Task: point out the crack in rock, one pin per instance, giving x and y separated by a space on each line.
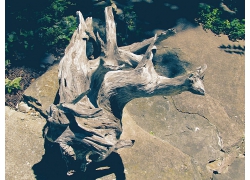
220 141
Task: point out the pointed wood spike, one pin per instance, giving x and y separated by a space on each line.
148 56
112 48
81 22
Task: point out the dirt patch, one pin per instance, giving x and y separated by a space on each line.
28 75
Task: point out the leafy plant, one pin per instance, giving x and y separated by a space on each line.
7 64
130 17
211 18
237 29
37 27
55 29
11 85
152 133
58 35
127 28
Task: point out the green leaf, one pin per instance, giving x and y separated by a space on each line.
7 62
11 37
211 18
7 81
11 85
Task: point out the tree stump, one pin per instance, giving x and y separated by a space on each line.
93 92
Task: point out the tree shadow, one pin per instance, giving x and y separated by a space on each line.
233 49
169 65
52 166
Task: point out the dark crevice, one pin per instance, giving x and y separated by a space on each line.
222 151
211 161
57 98
215 172
65 83
189 112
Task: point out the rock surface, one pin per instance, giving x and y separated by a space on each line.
180 137
23 107
23 144
210 128
42 92
48 59
153 158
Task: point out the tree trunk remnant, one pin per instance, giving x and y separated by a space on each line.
87 121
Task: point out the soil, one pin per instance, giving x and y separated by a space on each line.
28 74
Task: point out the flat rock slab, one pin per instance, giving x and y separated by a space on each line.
236 171
191 133
223 104
42 92
23 144
225 75
151 157
208 128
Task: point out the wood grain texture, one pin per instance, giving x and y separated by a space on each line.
87 121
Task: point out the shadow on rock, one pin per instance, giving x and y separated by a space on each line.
52 167
169 65
233 49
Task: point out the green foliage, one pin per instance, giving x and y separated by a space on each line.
130 17
152 133
18 43
237 29
211 18
54 28
11 85
37 26
127 28
57 35
7 64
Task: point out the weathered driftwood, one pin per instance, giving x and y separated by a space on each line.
87 121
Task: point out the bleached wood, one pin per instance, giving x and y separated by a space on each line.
87 121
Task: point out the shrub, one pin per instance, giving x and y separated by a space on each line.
57 36
54 27
37 26
237 29
211 18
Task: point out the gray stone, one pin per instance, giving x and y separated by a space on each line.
235 171
190 133
151 157
223 104
23 144
207 128
48 59
23 107
42 92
